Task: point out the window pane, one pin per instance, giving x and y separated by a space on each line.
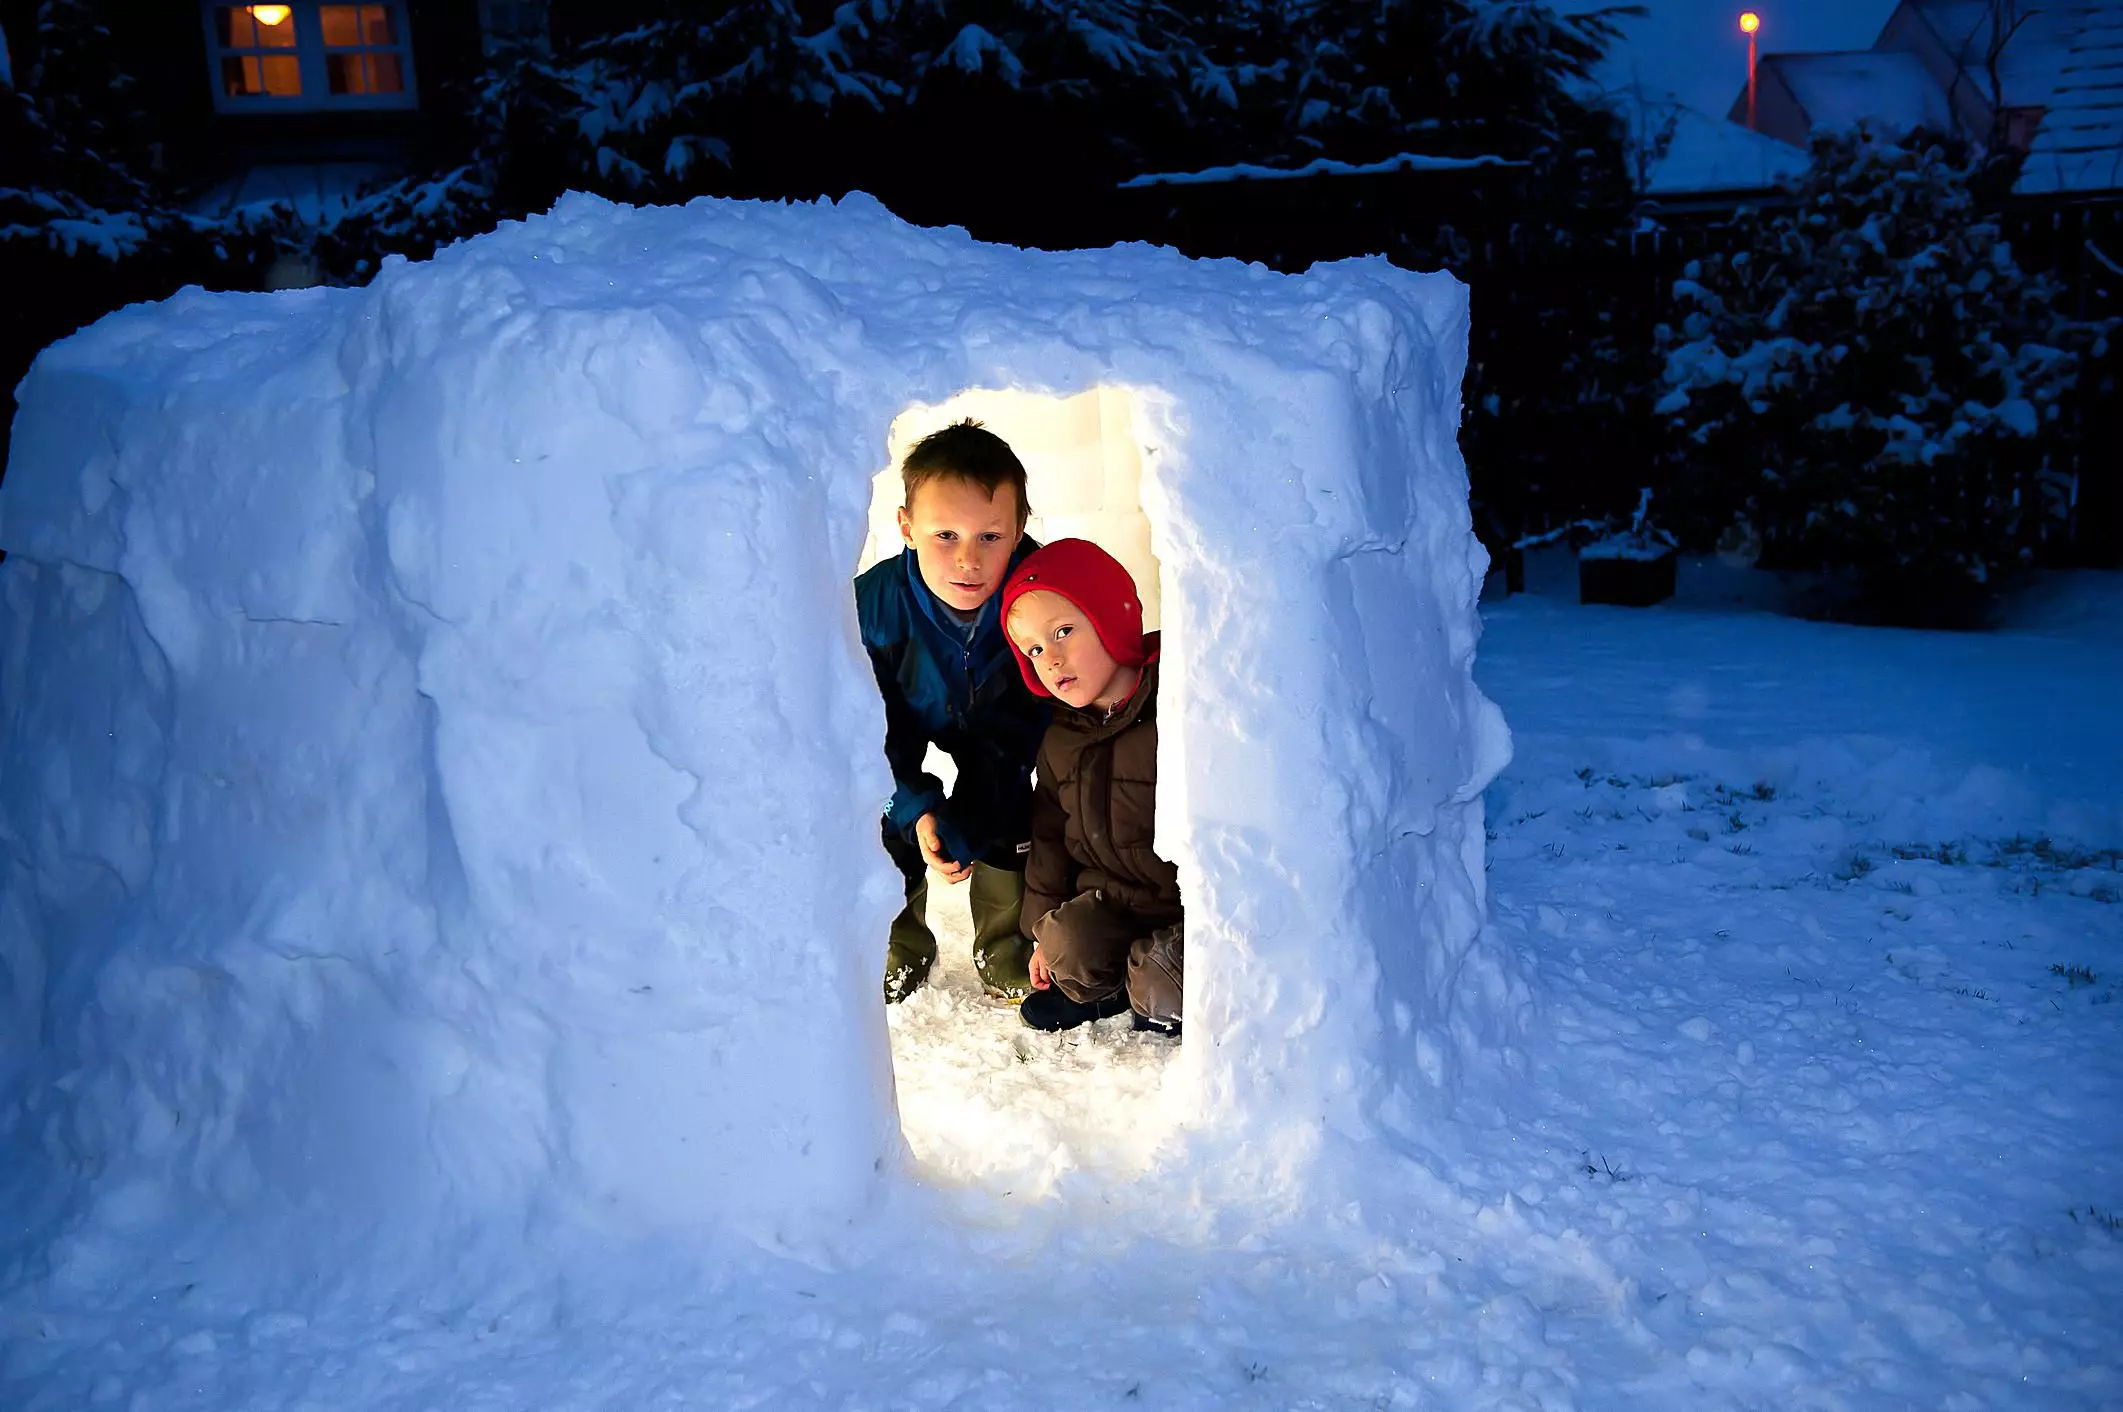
283 76
239 27
342 73
376 27
275 36
385 73
342 24
255 76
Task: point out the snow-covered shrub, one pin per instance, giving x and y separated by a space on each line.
1871 384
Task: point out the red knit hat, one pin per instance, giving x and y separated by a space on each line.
1096 583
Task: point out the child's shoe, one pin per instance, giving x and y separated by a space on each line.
1051 1010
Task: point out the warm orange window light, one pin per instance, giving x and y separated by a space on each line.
270 14
1749 22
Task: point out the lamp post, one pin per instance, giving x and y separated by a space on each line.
1750 25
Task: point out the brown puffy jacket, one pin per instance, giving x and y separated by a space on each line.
1094 809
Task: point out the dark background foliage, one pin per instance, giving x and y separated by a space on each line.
1025 121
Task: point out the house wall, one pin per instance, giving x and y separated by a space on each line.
1908 32
162 47
1778 112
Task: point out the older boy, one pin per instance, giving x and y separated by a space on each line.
1102 905
933 627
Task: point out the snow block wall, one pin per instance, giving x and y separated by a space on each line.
440 774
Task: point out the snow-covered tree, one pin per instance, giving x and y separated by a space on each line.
1871 383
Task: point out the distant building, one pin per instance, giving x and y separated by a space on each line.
300 102
2043 81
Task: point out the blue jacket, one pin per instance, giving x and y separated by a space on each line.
964 696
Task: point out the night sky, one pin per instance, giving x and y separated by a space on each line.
1694 48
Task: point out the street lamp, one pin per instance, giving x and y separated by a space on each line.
1750 25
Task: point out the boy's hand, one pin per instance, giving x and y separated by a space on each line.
932 851
1041 976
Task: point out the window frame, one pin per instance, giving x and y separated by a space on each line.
310 55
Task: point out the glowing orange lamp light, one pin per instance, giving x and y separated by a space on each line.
270 15
1750 25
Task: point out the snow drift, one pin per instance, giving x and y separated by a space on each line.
440 775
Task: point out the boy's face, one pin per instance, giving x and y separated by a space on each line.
963 538
1063 647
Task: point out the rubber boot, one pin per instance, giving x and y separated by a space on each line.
912 948
1002 955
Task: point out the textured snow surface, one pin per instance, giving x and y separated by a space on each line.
441 777
1788 1129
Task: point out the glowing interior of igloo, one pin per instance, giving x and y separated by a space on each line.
445 771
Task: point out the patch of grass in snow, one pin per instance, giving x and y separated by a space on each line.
2094 1216
1856 866
2074 976
1943 853
2048 852
1599 1167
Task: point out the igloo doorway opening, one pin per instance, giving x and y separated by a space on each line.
982 1101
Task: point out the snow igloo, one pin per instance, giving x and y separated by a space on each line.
441 773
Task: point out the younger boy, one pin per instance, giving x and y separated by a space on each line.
931 621
1103 907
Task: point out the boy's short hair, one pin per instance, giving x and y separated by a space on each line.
969 452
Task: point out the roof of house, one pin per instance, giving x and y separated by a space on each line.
1705 155
2027 66
1840 90
2079 146
2064 57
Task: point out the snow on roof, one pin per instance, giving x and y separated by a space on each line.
2030 63
2079 146
1706 154
2065 58
1323 166
1841 90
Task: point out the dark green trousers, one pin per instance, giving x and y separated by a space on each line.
1001 953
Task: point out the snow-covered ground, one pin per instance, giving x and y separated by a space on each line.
1820 1105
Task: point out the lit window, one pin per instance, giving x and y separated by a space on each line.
310 56
258 58
361 51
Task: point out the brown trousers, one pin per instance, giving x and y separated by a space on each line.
1095 949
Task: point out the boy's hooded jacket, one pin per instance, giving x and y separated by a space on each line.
964 695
